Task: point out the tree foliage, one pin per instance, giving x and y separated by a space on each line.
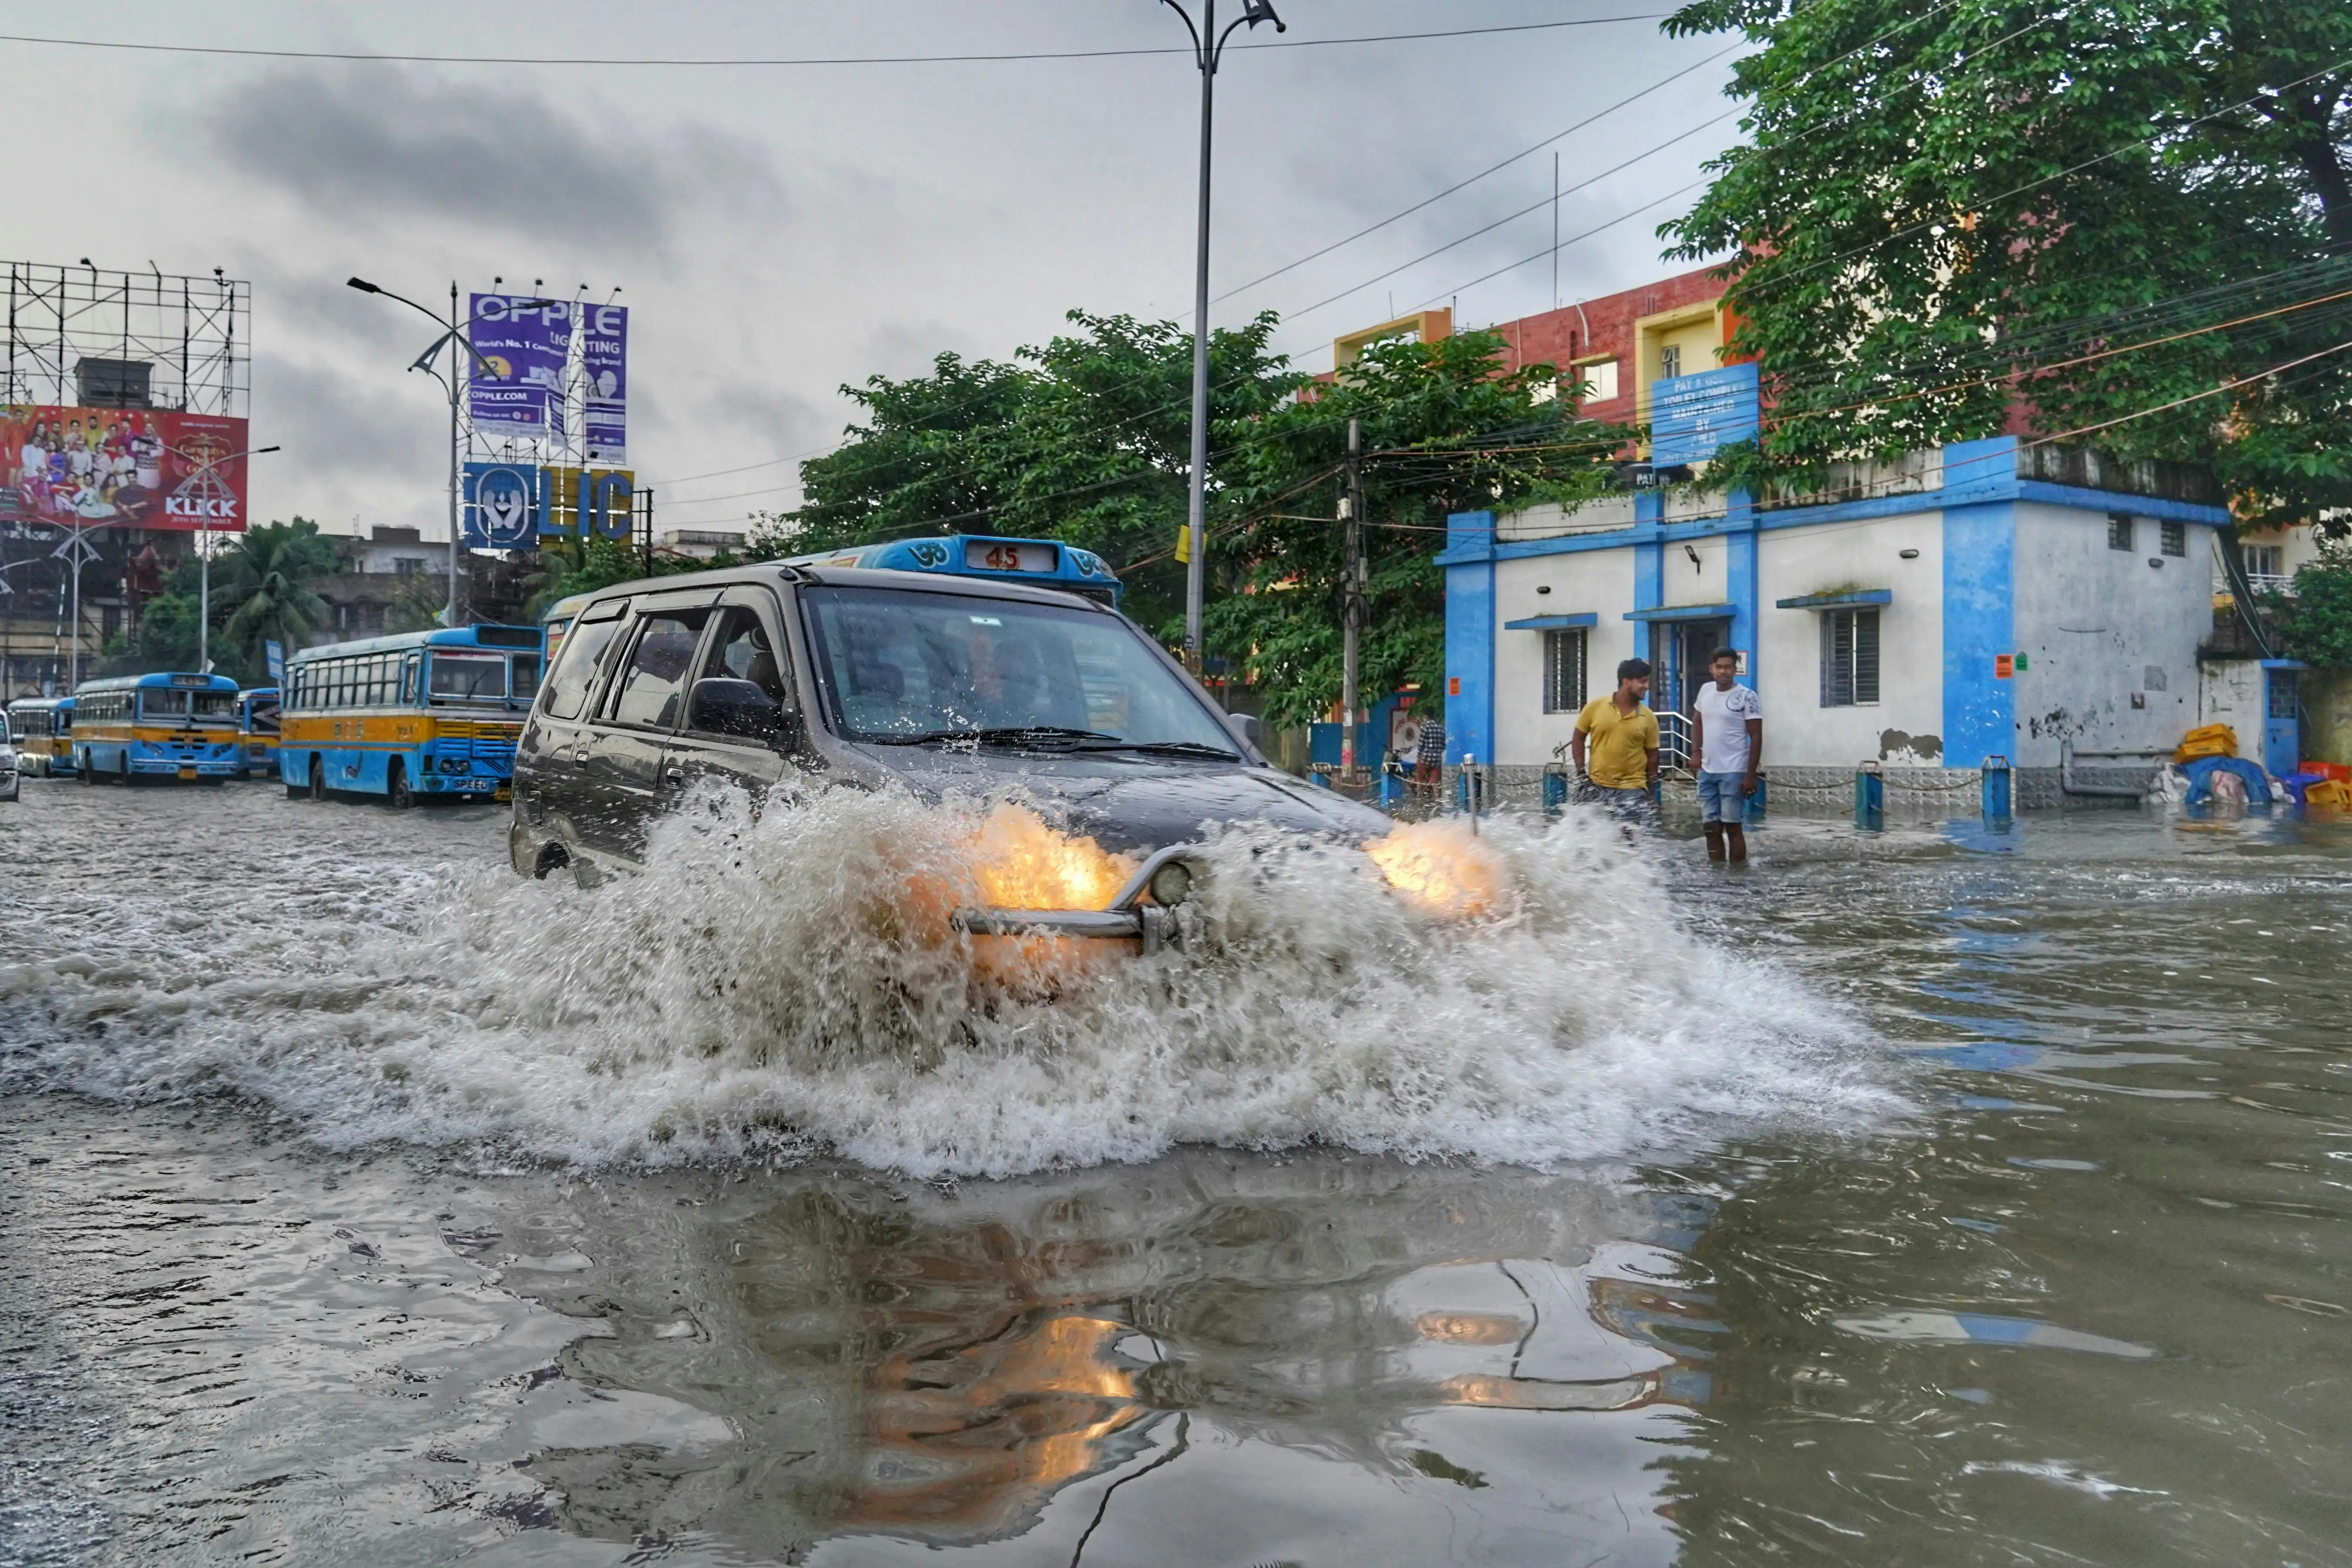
1937 208
261 591
1087 440
2318 617
1445 431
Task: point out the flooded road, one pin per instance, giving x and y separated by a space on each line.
1932 1198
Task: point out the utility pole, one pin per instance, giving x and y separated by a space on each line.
1351 596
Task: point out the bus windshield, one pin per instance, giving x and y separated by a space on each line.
468 677
203 707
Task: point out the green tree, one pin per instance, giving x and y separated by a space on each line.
1937 209
261 590
2318 618
1086 439
167 634
570 567
1446 430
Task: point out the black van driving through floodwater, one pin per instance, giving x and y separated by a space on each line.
947 686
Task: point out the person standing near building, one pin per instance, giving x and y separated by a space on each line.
1727 739
1429 752
1623 766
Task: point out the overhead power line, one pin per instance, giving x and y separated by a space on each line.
772 61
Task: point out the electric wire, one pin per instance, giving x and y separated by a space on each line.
370 57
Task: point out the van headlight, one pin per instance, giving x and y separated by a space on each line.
1171 884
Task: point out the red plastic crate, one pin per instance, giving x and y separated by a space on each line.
2340 771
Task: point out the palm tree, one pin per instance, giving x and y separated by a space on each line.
264 582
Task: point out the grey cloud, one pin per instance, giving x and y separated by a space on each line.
362 146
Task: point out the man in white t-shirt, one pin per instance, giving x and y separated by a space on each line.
1728 738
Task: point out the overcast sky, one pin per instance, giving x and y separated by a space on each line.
779 231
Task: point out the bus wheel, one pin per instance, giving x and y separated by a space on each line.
396 786
127 778
318 778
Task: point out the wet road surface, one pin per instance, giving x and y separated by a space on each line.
2084 1301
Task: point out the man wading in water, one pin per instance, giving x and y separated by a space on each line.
1624 767
1727 739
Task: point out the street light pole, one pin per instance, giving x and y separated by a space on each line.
453 334
204 557
1208 48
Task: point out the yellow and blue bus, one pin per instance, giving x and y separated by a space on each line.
257 728
44 728
1042 563
558 619
130 729
420 715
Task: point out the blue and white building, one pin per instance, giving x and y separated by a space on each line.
1998 598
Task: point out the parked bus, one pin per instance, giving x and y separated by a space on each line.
131 728
44 730
1042 563
257 728
422 714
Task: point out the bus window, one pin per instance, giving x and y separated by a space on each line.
408 669
161 704
526 677
467 677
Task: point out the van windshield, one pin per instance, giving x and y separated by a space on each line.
901 668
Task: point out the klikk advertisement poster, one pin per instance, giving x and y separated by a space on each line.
122 467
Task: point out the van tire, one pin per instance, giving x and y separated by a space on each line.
396 786
318 777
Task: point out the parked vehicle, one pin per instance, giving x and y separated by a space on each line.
11 780
44 730
257 729
172 724
941 683
415 716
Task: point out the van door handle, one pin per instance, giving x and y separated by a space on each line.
674 776
580 759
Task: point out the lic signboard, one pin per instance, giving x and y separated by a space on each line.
1691 415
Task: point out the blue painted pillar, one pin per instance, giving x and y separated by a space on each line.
1649 567
1980 630
1743 580
1470 631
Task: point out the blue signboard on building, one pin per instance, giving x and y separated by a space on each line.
1691 415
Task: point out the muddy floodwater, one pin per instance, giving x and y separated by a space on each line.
1932 1196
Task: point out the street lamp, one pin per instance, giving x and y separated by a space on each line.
453 334
204 552
1208 48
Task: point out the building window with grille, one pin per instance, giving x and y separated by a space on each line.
1670 362
2174 538
1849 657
2119 530
1564 662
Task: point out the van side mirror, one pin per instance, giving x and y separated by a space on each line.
723 706
1249 729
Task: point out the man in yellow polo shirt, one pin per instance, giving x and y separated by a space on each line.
1623 734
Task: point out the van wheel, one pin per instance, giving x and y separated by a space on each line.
396 786
552 860
318 779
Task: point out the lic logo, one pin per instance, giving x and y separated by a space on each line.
503 500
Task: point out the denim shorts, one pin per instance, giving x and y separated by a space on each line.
1720 798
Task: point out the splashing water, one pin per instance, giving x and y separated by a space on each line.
785 982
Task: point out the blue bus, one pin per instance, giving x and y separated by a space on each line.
44 730
131 728
1046 563
257 728
419 715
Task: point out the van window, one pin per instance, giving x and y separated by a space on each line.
654 680
575 668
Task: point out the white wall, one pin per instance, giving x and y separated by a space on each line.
2101 627
1904 727
1599 582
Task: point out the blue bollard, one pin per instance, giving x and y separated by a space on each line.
1391 790
1751 810
1995 778
1869 798
1555 792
